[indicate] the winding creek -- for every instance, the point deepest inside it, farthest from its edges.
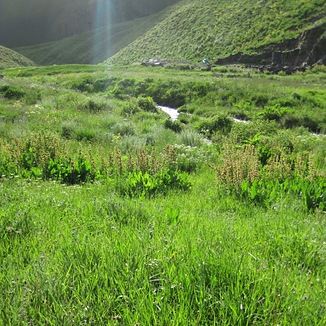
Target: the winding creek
(173, 113)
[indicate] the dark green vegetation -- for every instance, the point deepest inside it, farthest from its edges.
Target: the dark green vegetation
(113, 214)
(12, 59)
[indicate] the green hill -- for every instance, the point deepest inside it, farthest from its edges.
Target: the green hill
(287, 32)
(92, 46)
(215, 29)
(12, 59)
(24, 23)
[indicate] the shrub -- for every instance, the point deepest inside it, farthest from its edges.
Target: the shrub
(12, 92)
(90, 85)
(85, 134)
(173, 125)
(147, 104)
(190, 159)
(174, 97)
(130, 107)
(92, 106)
(311, 124)
(260, 100)
(124, 129)
(33, 96)
(238, 165)
(273, 113)
(290, 121)
(217, 124)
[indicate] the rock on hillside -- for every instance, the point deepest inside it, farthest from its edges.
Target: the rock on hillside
(12, 59)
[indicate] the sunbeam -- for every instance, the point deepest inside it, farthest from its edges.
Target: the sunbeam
(101, 22)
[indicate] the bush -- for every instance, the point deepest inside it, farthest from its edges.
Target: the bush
(147, 104)
(260, 100)
(217, 124)
(242, 175)
(273, 113)
(12, 92)
(124, 129)
(92, 86)
(92, 106)
(173, 125)
(310, 124)
(85, 134)
(33, 96)
(130, 107)
(290, 121)
(190, 159)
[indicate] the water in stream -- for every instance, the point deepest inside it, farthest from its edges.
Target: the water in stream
(173, 113)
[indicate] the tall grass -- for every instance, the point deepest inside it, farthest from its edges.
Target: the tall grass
(95, 258)
(112, 218)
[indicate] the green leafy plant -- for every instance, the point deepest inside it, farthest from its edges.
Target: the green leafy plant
(145, 184)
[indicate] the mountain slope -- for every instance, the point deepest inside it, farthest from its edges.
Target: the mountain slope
(24, 23)
(92, 46)
(216, 29)
(12, 59)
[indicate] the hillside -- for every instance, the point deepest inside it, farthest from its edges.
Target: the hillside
(217, 29)
(286, 32)
(92, 46)
(24, 23)
(12, 59)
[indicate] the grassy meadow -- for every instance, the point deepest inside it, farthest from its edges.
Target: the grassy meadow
(112, 214)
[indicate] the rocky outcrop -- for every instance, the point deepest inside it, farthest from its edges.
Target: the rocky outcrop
(290, 55)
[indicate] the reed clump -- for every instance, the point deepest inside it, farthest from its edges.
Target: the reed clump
(238, 165)
(48, 157)
(242, 174)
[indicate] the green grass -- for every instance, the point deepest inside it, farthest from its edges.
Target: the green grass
(189, 31)
(110, 216)
(12, 59)
(76, 254)
(212, 29)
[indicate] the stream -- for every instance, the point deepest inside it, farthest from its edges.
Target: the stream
(173, 113)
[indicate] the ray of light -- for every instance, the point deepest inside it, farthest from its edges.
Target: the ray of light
(101, 36)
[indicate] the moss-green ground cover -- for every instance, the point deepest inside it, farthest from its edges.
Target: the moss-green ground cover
(110, 215)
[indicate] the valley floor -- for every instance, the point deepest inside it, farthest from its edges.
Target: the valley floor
(112, 214)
